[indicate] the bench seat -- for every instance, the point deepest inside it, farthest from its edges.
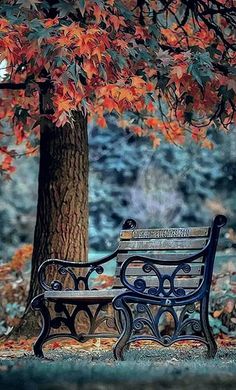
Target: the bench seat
(85, 295)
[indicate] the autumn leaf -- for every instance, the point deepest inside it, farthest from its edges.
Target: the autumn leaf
(110, 104)
(19, 133)
(137, 130)
(152, 122)
(56, 345)
(20, 257)
(137, 81)
(155, 140)
(117, 21)
(63, 104)
(97, 11)
(101, 121)
(51, 22)
(4, 25)
(114, 58)
(6, 164)
(151, 107)
(62, 119)
(89, 68)
(206, 143)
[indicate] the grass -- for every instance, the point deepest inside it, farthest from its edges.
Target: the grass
(172, 368)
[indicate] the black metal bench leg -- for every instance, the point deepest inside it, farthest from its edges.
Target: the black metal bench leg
(121, 344)
(38, 304)
(120, 325)
(211, 344)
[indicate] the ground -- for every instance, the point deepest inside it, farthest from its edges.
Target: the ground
(92, 366)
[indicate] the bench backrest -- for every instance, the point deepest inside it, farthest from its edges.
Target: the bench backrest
(161, 262)
(178, 260)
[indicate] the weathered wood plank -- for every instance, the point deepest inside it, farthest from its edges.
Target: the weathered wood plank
(153, 282)
(165, 233)
(162, 244)
(168, 270)
(84, 294)
(121, 257)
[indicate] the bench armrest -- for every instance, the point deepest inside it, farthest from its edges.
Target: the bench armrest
(139, 286)
(57, 275)
(150, 266)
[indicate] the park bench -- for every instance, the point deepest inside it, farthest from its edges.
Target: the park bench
(157, 272)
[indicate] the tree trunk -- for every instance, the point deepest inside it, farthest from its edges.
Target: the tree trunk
(62, 211)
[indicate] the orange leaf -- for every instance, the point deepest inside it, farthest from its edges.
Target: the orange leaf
(137, 81)
(62, 119)
(6, 164)
(152, 122)
(150, 107)
(207, 144)
(117, 21)
(55, 345)
(89, 68)
(137, 130)
(150, 87)
(51, 22)
(20, 257)
(101, 121)
(110, 104)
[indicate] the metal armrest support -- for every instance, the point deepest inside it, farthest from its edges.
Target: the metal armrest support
(139, 289)
(64, 268)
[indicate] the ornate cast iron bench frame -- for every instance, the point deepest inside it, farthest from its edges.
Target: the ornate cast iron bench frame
(141, 252)
(81, 294)
(165, 297)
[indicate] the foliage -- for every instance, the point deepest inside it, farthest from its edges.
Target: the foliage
(223, 301)
(169, 63)
(184, 187)
(168, 187)
(14, 282)
(222, 313)
(20, 256)
(18, 207)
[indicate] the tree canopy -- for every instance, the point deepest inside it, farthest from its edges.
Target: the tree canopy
(169, 63)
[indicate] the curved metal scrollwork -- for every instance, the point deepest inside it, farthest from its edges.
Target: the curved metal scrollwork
(172, 293)
(147, 324)
(164, 287)
(69, 270)
(67, 319)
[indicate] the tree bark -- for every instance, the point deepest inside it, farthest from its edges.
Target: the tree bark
(61, 229)
(62, 211)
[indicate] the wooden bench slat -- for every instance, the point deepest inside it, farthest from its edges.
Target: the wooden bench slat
(189, 283)
(162, 244)
(165, 233)
(161, 256)
(136, 271)
(84, 294)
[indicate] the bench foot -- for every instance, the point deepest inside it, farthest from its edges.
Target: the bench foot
(211, 344)
(37, 348)
(121, 345)
(38, 304)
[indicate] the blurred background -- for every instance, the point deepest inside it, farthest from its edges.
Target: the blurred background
(163, 187)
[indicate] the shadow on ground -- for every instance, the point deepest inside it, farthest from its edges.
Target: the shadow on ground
(172, 368)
